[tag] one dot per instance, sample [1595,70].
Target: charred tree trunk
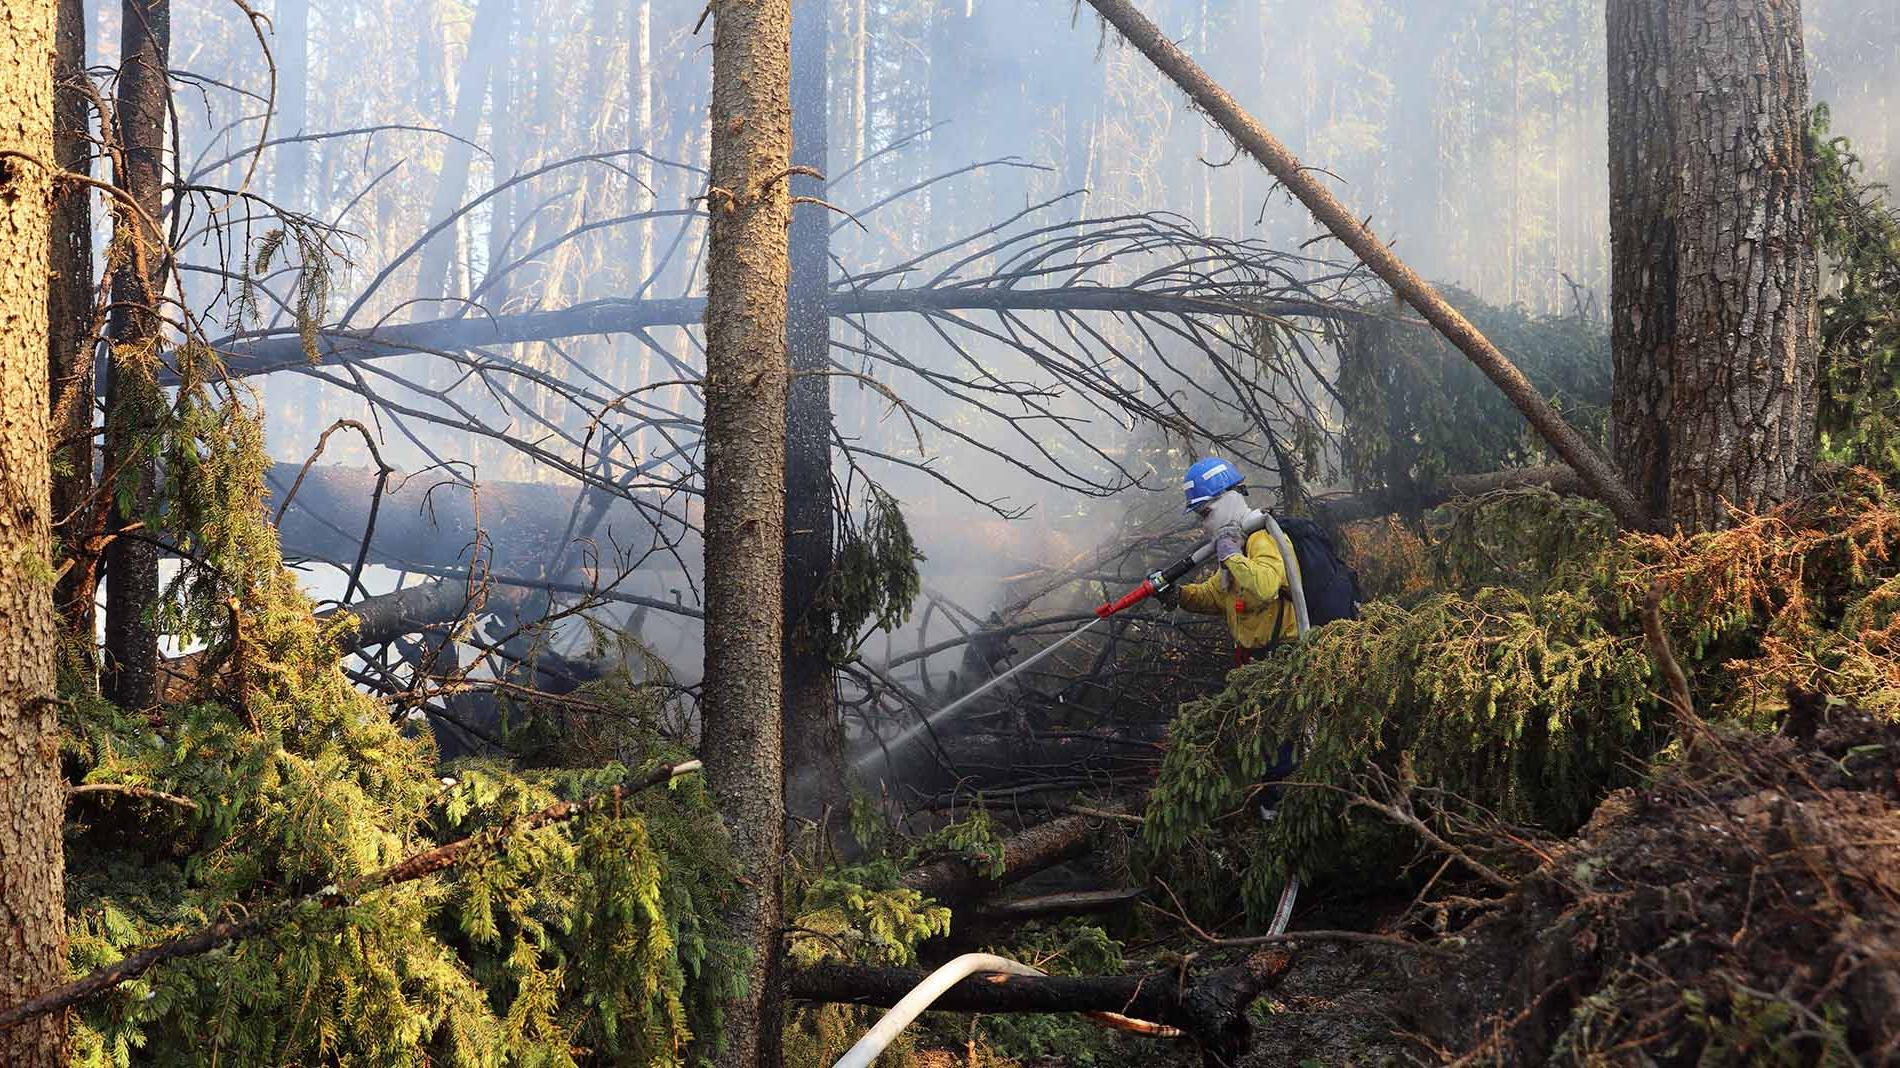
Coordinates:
[814,738]
[745,391]
[133,399]
[1743,389]
[32,797]
[1712,255]
[1211,1010]
[70,327]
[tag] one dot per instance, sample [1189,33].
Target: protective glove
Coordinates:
[1222,525]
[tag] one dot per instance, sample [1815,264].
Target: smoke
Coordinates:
[1470,133]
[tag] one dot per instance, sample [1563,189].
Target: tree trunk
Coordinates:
[745,391]
[133,400]
[484,40]
[1713,269]
[1743,390]
[814,738]
[1642,247]
[32,797]
[70,326]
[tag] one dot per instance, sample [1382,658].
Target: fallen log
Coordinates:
[1212,1010]
[525,528]
[1042,906]
[1024,854]
[283,350]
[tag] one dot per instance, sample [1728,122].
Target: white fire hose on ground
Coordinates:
[924,994]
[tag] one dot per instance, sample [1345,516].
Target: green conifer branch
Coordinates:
[420,865]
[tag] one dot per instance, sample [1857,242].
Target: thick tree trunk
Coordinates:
[1642,246]
[133,400]
[70,327]
[1352,232]
[814,737]
[1743,388]
[745,391]
[32,797]
[1712,255]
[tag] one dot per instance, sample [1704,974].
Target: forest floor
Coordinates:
[1741,907]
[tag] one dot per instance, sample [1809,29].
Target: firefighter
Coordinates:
[1249,584]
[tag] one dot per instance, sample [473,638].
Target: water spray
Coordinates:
[1153,584]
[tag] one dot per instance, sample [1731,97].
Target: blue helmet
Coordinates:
[1208,479]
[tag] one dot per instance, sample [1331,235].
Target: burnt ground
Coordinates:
[1741,908]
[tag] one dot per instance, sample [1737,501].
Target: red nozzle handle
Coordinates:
[1129,600]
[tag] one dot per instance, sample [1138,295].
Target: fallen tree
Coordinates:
[281,350]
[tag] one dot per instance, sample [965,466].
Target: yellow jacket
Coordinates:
[1253,603]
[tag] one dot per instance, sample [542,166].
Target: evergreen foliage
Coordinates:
[590,942]
[1533,701]
[1416,409]
[1860,316]
[873,579]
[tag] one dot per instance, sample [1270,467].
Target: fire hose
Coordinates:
[936,983]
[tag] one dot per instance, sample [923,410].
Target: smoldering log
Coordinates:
[1211,1010]
[284,350]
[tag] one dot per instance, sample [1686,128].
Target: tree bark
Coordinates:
[1743,387]
[32,797]
[1024,854]
[70,327]
[814,737]
[745,393]
[1250,135]
[1642,246]
[133,400]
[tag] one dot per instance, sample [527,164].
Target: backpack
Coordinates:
[1331,588]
